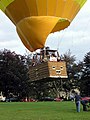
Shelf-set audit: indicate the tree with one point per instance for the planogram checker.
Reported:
(13, 73)
(71, 70)
(85, 78)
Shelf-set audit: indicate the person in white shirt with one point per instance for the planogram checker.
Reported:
(53, 57)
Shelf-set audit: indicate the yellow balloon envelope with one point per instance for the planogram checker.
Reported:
(36, 19)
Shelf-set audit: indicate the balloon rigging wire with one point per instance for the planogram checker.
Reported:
(71, 17)
(59, 42)
(60, 39)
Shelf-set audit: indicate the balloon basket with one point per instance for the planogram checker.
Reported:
(50, 70)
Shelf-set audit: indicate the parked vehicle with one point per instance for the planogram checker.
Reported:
(46, 99)
(58, 99)
(28, 100)
(2, 98)
(12, 99)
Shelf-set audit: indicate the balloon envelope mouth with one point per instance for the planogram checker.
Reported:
(34, 30)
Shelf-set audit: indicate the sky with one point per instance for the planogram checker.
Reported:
(75, 38)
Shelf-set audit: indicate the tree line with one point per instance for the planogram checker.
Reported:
(14, 76)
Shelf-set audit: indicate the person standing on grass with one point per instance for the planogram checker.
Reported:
(77, 101)
(85, 103)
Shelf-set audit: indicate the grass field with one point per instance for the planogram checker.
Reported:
(41, 111)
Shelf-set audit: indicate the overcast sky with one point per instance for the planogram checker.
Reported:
(76, 37)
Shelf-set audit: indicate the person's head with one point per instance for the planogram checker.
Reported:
(53, 55)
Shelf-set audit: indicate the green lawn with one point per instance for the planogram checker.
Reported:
(41, 111)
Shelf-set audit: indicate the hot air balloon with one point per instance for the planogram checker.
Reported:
(36, 19)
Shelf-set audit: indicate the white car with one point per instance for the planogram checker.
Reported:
(2, 98)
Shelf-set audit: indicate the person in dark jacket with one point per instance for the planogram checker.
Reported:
(84, 103)
(77, 101)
